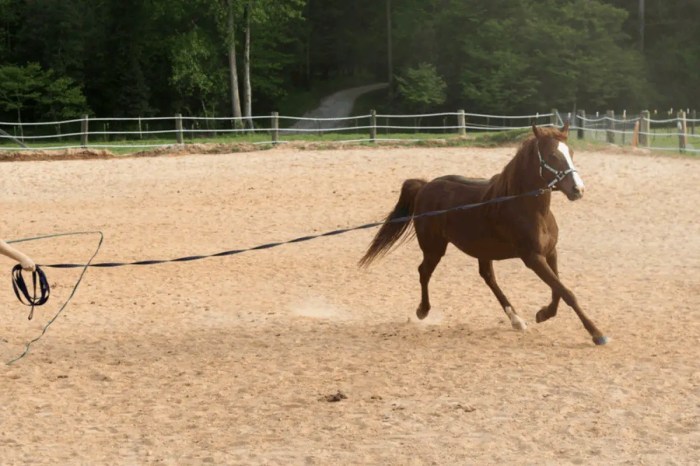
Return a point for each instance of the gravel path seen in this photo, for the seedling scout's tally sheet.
(338, 105)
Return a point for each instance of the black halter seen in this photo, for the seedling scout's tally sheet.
(20, 286)
(558, 174)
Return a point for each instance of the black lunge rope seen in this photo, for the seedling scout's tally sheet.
(42, 299)
(497, 200)
(22, 293)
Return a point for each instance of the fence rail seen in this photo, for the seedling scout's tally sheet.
(677, 133)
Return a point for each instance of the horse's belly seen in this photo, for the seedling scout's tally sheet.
(486, 248)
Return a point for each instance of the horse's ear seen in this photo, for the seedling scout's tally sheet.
(565, 129)
(535, 131)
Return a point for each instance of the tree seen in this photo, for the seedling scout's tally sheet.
(542, 54)
(37, 93)
(8, 21)
(422, 87)
(273, 17)
(233, 68)
(194, 71)
(19, 88)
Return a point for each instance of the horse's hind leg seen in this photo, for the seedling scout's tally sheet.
(550, 310)
(433, 251)
(486, 272)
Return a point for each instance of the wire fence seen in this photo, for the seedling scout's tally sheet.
(679, 132)
(669, 134)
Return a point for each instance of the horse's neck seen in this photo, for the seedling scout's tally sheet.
(522, 175)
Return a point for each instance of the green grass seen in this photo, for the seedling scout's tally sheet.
(662, 138)
(262, 140)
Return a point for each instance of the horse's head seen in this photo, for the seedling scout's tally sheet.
(557, 161)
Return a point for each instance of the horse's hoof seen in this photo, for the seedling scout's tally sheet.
(542, 315)
(601, 340)
(422, 312)
(518, 323)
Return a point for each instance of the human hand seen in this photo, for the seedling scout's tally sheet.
(28, 264)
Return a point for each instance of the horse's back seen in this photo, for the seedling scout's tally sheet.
(479, 183)
(450, 191)
(472, 230)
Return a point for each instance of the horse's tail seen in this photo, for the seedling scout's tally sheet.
(391, 232)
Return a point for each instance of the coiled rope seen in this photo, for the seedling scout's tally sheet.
(22, 293)
(72, 293)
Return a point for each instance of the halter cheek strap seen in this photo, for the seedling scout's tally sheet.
(558, 174)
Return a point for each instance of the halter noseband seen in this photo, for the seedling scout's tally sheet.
(558, 174)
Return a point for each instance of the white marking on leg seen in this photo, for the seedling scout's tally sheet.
(564, 149)
(515, 321)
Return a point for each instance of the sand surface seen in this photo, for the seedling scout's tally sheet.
(230, 360)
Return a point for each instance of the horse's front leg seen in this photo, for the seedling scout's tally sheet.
(550, 310)
(486, 272)
(538, 263)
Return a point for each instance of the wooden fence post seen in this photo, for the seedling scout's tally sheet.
(275, 127)
(682, 131)
(635, 134)
(610, 125)
(84, 131)
(644, 125)
(373, 126)
(692, 123)
(581, 114)
(624, 126)
(462, 123)
(178, 128)
(554, 119)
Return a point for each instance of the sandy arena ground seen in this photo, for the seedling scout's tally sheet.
(229, 360)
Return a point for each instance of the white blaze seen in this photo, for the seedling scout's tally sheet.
(564, 149)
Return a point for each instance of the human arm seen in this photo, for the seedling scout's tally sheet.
(12, 253)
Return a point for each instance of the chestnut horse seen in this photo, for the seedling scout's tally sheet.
(522, 227)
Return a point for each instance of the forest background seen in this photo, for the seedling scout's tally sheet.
(129, 58)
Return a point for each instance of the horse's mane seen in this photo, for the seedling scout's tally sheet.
(510, 181)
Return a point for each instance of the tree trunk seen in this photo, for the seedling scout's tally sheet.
(389, 47)
(247, 92)
(21, 127)
(233, 69)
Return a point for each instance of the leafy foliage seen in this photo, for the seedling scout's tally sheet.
(146, 57)
(422, 87)
(31, 92)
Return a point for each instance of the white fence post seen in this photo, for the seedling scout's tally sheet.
(178, 129)
(84, 131)
(275, 125)
(462, 123)
(373, 126)
(682, 131)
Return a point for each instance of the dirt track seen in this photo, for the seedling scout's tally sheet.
(229, 360)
